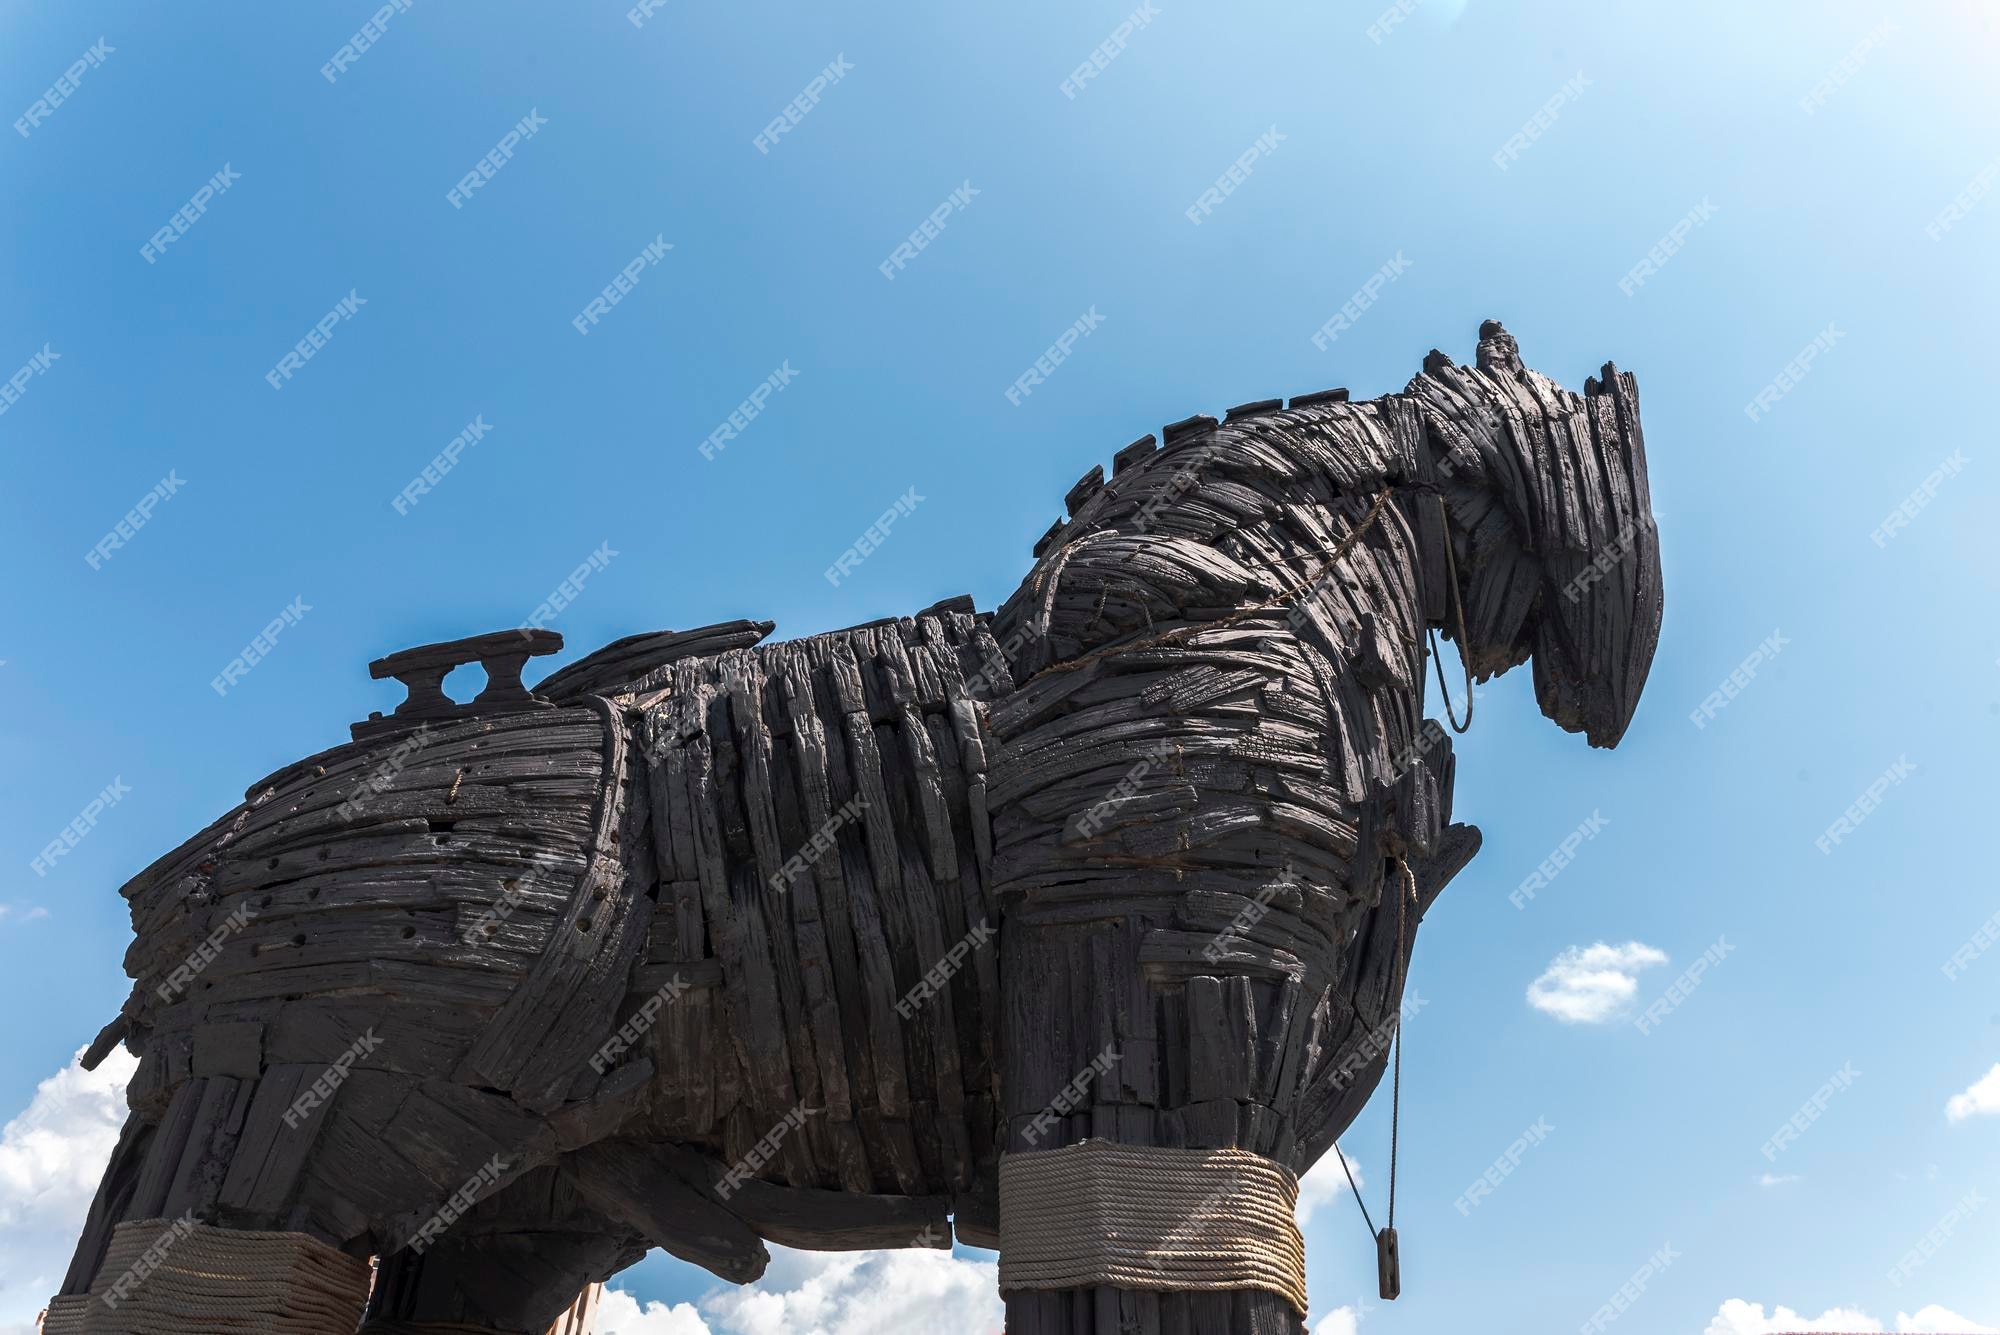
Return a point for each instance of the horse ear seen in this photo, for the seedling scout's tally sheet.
(1497, 349)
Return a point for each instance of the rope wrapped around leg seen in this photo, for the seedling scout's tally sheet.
(178, 1277)
(1150, 1217)
(67, 1315)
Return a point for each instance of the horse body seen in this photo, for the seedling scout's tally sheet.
(722, 941)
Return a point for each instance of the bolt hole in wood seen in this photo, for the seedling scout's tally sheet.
(583, 924)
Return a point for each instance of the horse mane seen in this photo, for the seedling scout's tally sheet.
(1198, 483)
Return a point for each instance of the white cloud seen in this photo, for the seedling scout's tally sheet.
(51, 1157)
(1737, 1317)
(1592, 984)
(1324, 1181)
(915, 1292)
(1982, 1097)
(620, 1314)
(1943, 1321)
(1776, 1179)
(1340, 1321)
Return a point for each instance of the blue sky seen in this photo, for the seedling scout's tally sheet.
(1820, 224)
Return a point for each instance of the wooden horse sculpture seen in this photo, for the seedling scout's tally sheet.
(1077, 929)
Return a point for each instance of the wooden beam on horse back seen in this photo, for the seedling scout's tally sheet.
(1170, 1065)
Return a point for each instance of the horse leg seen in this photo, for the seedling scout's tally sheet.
(264, 1193)
(1174, 1053)
(512, 1265)
(506, 1283)
(153, 1255)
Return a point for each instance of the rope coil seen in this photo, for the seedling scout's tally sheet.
(200, 1280)
(1385, 1237)
(1464, 648)
(1150, 1217)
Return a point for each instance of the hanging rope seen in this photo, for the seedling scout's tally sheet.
(1365, 1219)
(1464, 652)
(1404, 903)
